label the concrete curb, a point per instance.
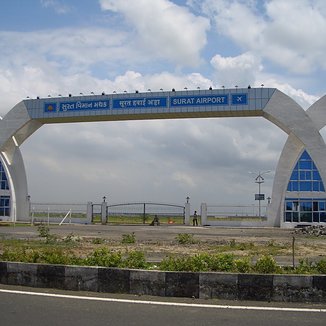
(258, 287)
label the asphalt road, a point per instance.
(49, 307)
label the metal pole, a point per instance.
(259, 201)
(144, 214)
(259, 179)
(293, 263)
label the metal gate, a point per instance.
(144, 213)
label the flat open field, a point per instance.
(158, 242)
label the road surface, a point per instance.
(25, 306)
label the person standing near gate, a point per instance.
(195, 219)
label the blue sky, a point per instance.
(70, 46)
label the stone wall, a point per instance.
(258, 287)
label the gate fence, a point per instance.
(57, 213)
(137, 213)
(235, 212)
(144, 213)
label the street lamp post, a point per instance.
(259, 179)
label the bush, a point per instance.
(18, 254)
(104, 257)
(266, 264)
(305, 267)
(42, 256)
(44, 232)
(98, 241)
(222, 263)
(321, 266)
(185, 238)
(135, 259)
(177, 264)
(200, 262)
(54, 256)
(243, 265)
(71, 239)
(128, 238)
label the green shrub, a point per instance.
(305, 267)
(54, 256)
(128, 238)
(43, 256)
(243, 265)
(17, 254)
(241, 245)
(185, 238)
(135, 259)
(71, 238)
(321, 266)
(177, 264)
(222, 263)
(43, 231)
(168, 264)
(98, 241)
(199, 262)
(104, 257)
(266, 264)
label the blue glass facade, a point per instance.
(4, 185)
(305, 210)
(4, 205)
(4, 197)
(305, 177)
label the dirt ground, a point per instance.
(160, 241)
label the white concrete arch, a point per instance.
(29, 115)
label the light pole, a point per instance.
(259, 179)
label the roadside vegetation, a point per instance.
(186, 253)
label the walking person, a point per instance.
(195, 219)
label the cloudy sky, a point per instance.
(72, 46)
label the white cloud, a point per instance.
(241, 69)
(289, 33)
(56, 5)
(165, 29)
(185, 179)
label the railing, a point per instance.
(58, 213)
(135, 213)
(234, 215)
(235, 212)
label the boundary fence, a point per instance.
(234, 215)
(57, 213)
(229, 212)
(126, 213)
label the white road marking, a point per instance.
(163, 303)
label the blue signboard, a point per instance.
(136, 103)
(203, 100)
(148, 102)
(84, 105)
(239, 99)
